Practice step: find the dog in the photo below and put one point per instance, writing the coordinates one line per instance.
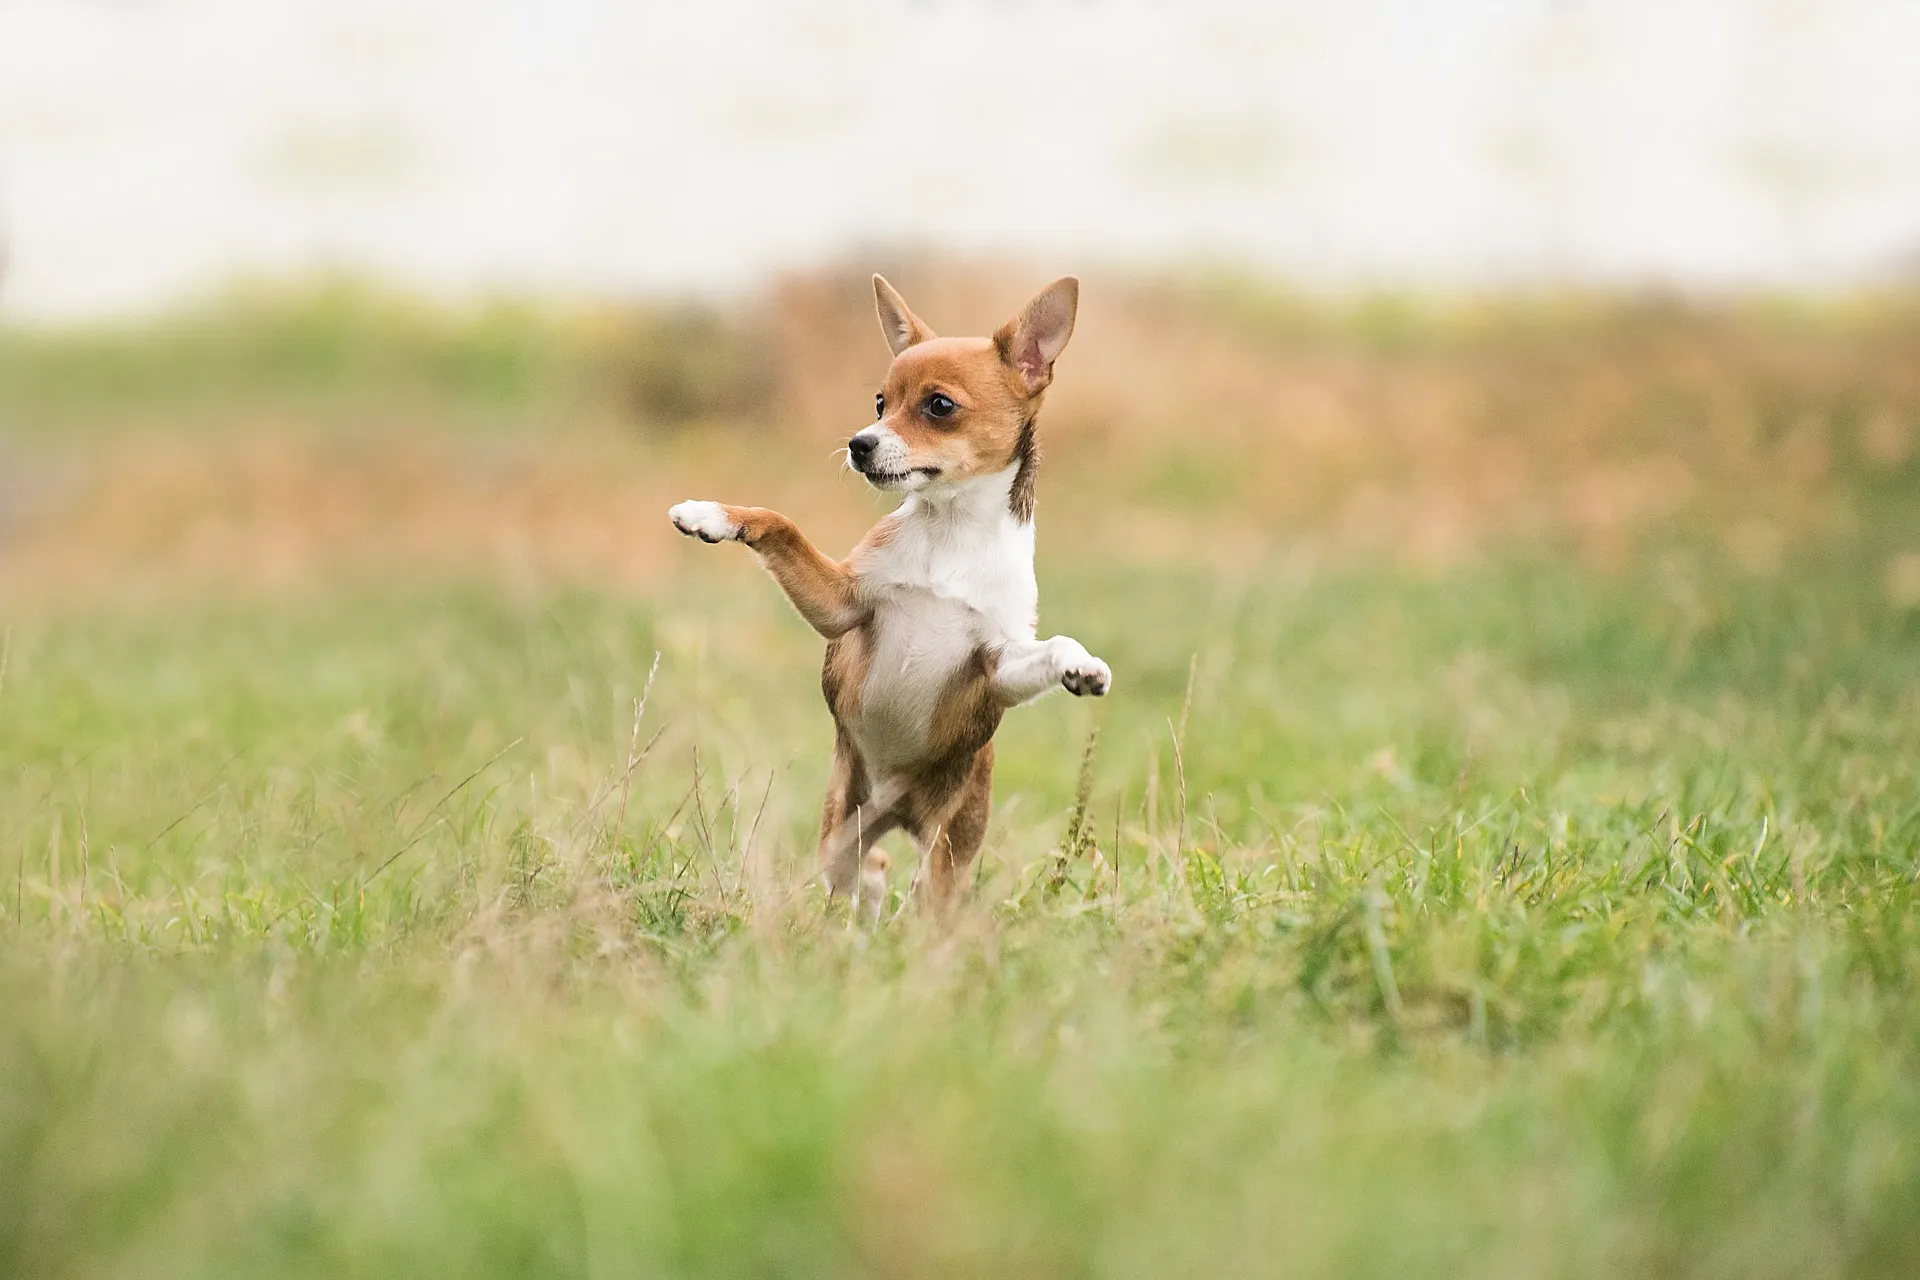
(931, 621)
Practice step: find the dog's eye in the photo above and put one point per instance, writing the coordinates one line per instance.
(879, 404)
(939, 406)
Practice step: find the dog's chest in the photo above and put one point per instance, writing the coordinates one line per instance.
(941, 591)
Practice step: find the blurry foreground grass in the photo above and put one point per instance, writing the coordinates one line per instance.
(1549, 913)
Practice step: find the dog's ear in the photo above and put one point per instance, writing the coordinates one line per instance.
(1034, 339)
(897, 321)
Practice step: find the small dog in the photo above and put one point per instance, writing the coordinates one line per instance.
(930, 622)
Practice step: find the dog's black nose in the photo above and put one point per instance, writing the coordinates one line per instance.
(860, 449)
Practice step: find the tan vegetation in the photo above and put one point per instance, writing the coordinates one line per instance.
(1218, 423)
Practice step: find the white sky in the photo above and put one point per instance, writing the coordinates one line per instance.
(152, 150)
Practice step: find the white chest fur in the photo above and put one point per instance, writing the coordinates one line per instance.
(954, 575)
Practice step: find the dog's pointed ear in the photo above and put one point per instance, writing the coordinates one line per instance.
(1034, 339)
(897, 321)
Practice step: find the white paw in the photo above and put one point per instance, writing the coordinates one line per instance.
(706, 521)
(1081, 674)
(871, 899)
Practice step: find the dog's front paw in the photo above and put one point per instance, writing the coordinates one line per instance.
(1088, 679)
(1081, 674)
(706, 521)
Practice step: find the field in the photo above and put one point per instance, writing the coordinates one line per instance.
(1498, 856)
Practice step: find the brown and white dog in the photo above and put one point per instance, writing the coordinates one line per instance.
(930, 622)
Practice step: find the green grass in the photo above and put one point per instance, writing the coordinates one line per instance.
(1515, 921)
(346, 347)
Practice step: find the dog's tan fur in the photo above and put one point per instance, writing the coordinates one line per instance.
(930, 621)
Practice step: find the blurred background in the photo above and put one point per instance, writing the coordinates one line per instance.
(297, 288)
(159, 149)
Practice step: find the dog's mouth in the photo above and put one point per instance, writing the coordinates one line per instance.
(888, 479)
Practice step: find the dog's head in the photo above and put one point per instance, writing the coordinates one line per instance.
(955, 408)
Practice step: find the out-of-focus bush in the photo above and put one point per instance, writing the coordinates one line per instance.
(694, 363)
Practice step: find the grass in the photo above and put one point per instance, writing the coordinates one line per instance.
(1542, 908)
(349, 346)
(1514, 921)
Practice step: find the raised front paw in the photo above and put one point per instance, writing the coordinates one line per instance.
(1081, 674)
(1090, 679)
(706, 521)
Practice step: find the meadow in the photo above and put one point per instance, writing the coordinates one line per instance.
(1498, 855)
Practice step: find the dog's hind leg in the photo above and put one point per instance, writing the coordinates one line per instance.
(852, 820)
(951, 839)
